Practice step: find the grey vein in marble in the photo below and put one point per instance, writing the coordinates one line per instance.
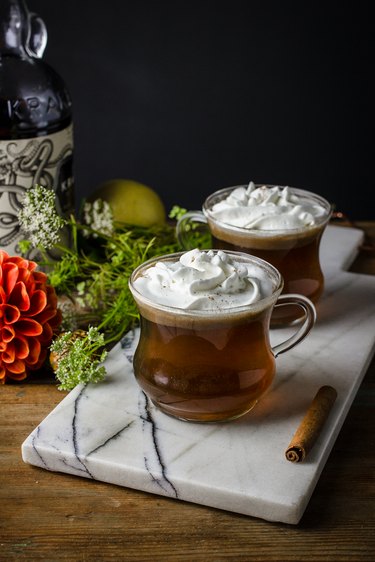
(111, 432)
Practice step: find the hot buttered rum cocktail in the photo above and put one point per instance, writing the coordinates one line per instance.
(204, 352)
(281, 225)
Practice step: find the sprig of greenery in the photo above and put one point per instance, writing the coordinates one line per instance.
(78, 358)
(177, 212)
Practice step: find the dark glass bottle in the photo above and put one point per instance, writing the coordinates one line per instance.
(36, 132)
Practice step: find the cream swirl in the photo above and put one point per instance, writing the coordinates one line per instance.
(203, 280)
(267, 208)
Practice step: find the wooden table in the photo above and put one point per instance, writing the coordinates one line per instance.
(49, 516)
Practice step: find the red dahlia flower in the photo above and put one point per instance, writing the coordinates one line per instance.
(28, 317)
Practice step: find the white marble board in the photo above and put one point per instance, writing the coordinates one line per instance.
(110, 432)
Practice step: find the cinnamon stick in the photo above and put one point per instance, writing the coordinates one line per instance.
(311, 425)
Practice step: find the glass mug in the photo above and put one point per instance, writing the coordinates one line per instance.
(295, 252)
(210, 365)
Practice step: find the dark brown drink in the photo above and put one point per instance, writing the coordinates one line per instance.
(204, 373)
(208, 364)
(295, 253)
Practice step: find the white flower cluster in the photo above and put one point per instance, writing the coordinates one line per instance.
(39, 219)
(99, 217)
(79, 358)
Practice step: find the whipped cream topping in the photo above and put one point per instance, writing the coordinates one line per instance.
(267, 208)
(204, 280)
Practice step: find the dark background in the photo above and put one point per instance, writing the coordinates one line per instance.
(189, 97)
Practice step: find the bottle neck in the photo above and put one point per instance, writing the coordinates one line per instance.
(22, 33)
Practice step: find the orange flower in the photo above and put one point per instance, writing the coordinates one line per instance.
(28, 317)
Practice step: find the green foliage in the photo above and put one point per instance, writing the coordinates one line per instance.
(80, 358)
(97, 277)
(177, 212)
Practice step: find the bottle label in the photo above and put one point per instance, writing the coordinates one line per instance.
(46, 161)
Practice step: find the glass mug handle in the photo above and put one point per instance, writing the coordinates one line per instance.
(185, 224)
(309, 321)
